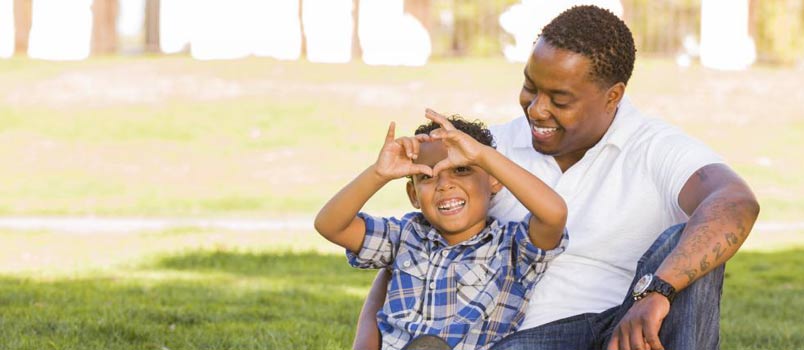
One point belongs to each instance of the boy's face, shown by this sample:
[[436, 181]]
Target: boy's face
[[456, 200]]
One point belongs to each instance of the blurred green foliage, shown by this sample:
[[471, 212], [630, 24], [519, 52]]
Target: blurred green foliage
[[465, 27], [779, 31]]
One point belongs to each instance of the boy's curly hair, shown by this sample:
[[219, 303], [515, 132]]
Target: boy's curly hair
[[599, 35], [476, 129]]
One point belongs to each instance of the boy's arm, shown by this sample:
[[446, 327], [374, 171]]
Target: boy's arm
[[337, 221], [548, 209]]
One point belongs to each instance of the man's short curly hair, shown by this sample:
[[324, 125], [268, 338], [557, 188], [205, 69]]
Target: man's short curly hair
[[476, 129], [598, 34]]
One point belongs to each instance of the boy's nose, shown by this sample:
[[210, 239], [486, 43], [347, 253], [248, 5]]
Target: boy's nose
[[444, 183]]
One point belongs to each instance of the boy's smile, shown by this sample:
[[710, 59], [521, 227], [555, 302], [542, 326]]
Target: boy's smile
[[456, 200]]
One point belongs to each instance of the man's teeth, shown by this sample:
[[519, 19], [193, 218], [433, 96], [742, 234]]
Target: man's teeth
[[451, 204], [544, 131]]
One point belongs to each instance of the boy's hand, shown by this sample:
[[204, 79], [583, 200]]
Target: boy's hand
[[462, 149], [396, 157]]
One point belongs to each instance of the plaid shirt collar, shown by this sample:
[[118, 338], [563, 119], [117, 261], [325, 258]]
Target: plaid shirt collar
[[430, 233]]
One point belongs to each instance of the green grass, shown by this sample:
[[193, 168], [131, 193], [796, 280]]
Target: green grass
[[234, 299], [169, 136]]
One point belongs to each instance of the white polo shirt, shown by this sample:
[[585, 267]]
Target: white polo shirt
[[621, 195]]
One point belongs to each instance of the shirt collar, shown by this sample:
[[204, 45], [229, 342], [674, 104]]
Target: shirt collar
[[428, 232], [617, 134]]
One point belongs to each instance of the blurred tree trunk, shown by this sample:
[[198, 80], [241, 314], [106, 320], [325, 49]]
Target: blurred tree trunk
[[303, 52], [23, 16], [104, 26], [357, 53], [152, 26]]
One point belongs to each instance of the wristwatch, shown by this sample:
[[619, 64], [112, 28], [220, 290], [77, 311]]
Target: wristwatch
[[652, 283]]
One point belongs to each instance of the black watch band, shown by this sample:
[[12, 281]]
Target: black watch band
[[652, 283]]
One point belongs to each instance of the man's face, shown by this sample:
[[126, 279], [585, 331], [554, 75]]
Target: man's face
[[567, 111], [456, 200]]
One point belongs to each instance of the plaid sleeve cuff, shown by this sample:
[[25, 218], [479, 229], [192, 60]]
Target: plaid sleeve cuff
[[531, 260], [377, 249]]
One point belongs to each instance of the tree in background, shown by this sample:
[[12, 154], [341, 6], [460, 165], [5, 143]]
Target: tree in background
[[23, 18]]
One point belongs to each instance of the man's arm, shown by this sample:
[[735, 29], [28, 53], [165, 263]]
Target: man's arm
[[722, 211], [367, 336]]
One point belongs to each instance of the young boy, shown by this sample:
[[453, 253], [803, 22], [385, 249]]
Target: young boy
[[456, 272]]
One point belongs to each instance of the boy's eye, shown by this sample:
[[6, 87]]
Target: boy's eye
[[462, 169]]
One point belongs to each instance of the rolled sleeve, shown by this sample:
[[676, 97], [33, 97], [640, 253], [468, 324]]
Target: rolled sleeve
[[382, 235], [531, 261]]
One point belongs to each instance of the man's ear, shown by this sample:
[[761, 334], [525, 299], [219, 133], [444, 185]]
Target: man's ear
[[414, 199], [496, 185], [613, 97]]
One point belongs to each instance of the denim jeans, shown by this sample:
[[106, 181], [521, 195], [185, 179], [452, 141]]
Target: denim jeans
[[693, 322]]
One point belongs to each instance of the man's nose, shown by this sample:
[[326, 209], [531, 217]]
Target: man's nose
[[537, 109]]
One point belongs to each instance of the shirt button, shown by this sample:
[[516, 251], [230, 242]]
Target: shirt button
[[432, 285], [444, 253], [406, 264]]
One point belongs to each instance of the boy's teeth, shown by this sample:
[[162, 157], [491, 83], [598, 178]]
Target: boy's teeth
[[451, 204]]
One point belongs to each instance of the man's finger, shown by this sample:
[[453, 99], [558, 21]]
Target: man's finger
[[438, 119], [637, 340], [651, 333], [614, 342], [625, 331]]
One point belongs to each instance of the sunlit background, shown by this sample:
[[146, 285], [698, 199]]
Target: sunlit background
[[161, 160]]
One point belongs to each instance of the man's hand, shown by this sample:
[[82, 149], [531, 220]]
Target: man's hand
[[639, 328], [397, 155]]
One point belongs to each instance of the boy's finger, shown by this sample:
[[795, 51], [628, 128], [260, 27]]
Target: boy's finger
[[423, 169], [423, 138], [438, 134], [407, 144], [438, 119], [442, 165], [389, 137], [415, 142]]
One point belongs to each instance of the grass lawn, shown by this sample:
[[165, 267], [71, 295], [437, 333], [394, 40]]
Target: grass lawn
[[230, 298]]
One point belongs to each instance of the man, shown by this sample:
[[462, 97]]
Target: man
[[625, 179]]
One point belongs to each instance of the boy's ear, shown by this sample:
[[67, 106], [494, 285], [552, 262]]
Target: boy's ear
[[414, 200], [496, 185]]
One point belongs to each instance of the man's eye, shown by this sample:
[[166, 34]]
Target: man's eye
[[529, 90], [560, 105], [424, 177]]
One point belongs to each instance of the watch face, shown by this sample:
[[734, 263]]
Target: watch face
[[643, 284]]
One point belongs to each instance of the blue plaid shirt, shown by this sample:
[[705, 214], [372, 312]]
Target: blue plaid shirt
[[471, 294]]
